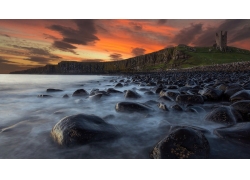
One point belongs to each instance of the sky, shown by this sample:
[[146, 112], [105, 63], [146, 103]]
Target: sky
[[28, 43]]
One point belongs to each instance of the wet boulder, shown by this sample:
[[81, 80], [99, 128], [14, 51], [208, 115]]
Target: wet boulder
[[231, 91], [172, 94], [162, 106], [195, 109], [82, 129], [80, 92], [130, 107], [132, 94], [189, 99], [182, 143], [239, 133], [95, 97], [112, 90], [164, 99], [211, 94], [53, 90], [93, 91], [65, 96], [243, 107], [240, 95], [118, 85], [224, 115], [176, 107]]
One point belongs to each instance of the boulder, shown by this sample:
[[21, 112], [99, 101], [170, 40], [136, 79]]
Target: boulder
[[182, 143], [240, 95], [80, 92], [189, 99], [132, 94], [130, 107], [53, 90], [239, 133], [224, 115], [82, 129]]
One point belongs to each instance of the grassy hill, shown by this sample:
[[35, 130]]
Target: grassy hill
[[203, 56]]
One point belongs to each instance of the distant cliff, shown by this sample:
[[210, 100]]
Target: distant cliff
[[135, 64]]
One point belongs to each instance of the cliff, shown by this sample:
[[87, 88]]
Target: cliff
[[136, 64], [178, 57]]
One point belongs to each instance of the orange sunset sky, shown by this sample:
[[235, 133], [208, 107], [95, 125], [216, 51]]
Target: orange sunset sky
[[31, 43]]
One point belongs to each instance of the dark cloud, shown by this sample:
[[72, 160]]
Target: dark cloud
[[37, 51], [2, 60], [187, 34], [146, 36], [162, 21], [63, 46], [241, 34], [115, 56], [138, 51], [55, 57], [47, 36], [7, 66], [6, 35], [232, 24], [38, 59], [83, 35], [136, 26], [101, 28], [206, 38], [234, 27]]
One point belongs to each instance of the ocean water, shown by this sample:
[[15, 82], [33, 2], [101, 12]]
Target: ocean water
[[26, 120]]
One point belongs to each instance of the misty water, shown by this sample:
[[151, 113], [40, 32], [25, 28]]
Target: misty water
[[27, 120]]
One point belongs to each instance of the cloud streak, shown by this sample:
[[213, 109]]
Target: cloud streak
[[115, 56], [84, 34], [63, 46], [187, 34]]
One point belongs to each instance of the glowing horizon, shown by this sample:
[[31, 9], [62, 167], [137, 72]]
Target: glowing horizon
[[30, 43]]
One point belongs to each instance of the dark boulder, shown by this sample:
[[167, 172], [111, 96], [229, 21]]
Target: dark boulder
[[130, 107], [53, 90], [118, 85], [243, 107], [239, 133], [112, 90], [164, 99], [231, 91], [65, 96], [182, 143], [172, 94], [162, 106], [189, 99], [195, 109], [211, 94], [132, 94], [240, 95], [80, 92], [95, 97], [82, 129], [176, 107], [224, 115]]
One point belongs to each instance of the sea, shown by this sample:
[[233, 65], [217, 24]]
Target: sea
[[26, 120]]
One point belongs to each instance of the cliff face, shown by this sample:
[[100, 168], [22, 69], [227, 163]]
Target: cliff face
[[138, 64]]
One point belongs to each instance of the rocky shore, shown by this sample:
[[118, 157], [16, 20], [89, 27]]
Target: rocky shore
[[222, 96]]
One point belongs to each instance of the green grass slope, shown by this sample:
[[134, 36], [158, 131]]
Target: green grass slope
[[203, 56]]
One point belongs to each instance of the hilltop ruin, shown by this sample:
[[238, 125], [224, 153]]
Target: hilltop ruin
[[221, 41]]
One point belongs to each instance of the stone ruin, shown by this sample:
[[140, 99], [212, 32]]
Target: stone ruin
[[221, 41]]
